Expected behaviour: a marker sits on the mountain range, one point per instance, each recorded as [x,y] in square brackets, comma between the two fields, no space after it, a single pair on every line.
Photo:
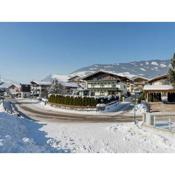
[148,69]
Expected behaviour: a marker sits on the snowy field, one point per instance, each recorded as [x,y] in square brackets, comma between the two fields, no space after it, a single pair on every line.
[24,135]
[109,138]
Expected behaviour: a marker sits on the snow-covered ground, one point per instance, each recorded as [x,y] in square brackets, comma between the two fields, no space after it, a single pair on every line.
[109,138]
[21,135]
[24,135]
[139,109]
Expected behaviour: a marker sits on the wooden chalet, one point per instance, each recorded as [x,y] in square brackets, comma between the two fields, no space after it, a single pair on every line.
[75,79]
[102,83]
[138,84]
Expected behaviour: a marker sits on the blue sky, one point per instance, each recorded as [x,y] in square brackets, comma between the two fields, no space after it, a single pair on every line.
[34,50]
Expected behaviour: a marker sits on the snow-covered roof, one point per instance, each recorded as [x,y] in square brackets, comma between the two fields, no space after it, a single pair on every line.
[157,78]
[72,85]
[14,84]
[42,82]
[107,72]
[126,74]
[82,73]
[158,87]
[5,85]
[140,77]
[74,77]
[61,78]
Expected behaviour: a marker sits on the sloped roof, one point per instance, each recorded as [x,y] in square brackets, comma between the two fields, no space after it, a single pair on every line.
[61,78]
[73,77]
[107,72]
[158,78]
[140,77]
[5,85]
[14,84]
[41,82]
[72,85]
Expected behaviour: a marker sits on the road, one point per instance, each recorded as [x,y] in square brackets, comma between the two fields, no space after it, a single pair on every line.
[26,109]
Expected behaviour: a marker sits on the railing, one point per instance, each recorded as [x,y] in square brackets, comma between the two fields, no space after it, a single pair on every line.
[163,121]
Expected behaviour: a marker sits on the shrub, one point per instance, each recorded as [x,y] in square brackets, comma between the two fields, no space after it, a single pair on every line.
[75,101]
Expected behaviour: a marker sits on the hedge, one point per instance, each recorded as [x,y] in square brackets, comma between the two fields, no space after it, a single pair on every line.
[74,101]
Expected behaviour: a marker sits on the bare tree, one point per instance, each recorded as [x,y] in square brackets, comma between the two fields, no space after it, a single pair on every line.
[57,88]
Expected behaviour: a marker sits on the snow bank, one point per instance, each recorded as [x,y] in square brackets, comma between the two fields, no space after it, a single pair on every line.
[21,135]
[112,109]
[48,107]
[140,109]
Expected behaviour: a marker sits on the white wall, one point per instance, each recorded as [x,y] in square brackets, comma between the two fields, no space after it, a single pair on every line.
[25,94]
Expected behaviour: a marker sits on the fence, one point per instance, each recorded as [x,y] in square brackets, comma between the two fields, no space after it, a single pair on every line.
[164,121]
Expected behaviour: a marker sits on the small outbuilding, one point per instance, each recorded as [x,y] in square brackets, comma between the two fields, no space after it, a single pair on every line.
[159,89]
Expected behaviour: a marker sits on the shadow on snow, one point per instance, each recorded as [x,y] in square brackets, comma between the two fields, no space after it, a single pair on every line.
[23,135]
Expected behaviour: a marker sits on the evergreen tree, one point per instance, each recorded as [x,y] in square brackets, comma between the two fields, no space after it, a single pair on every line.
[72,101]
[54,99]
[50,99]
[172,71]
[88,101]
[79,101]
[68,100]
[57,99]
[93,102]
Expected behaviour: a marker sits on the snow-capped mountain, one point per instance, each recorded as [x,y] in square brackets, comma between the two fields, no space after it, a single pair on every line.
[148,69]
[61,78]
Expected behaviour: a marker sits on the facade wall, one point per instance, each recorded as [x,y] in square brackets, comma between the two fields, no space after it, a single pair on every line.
[39,90]
[105,88]
[25,94]
[14,92]
[161,82]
